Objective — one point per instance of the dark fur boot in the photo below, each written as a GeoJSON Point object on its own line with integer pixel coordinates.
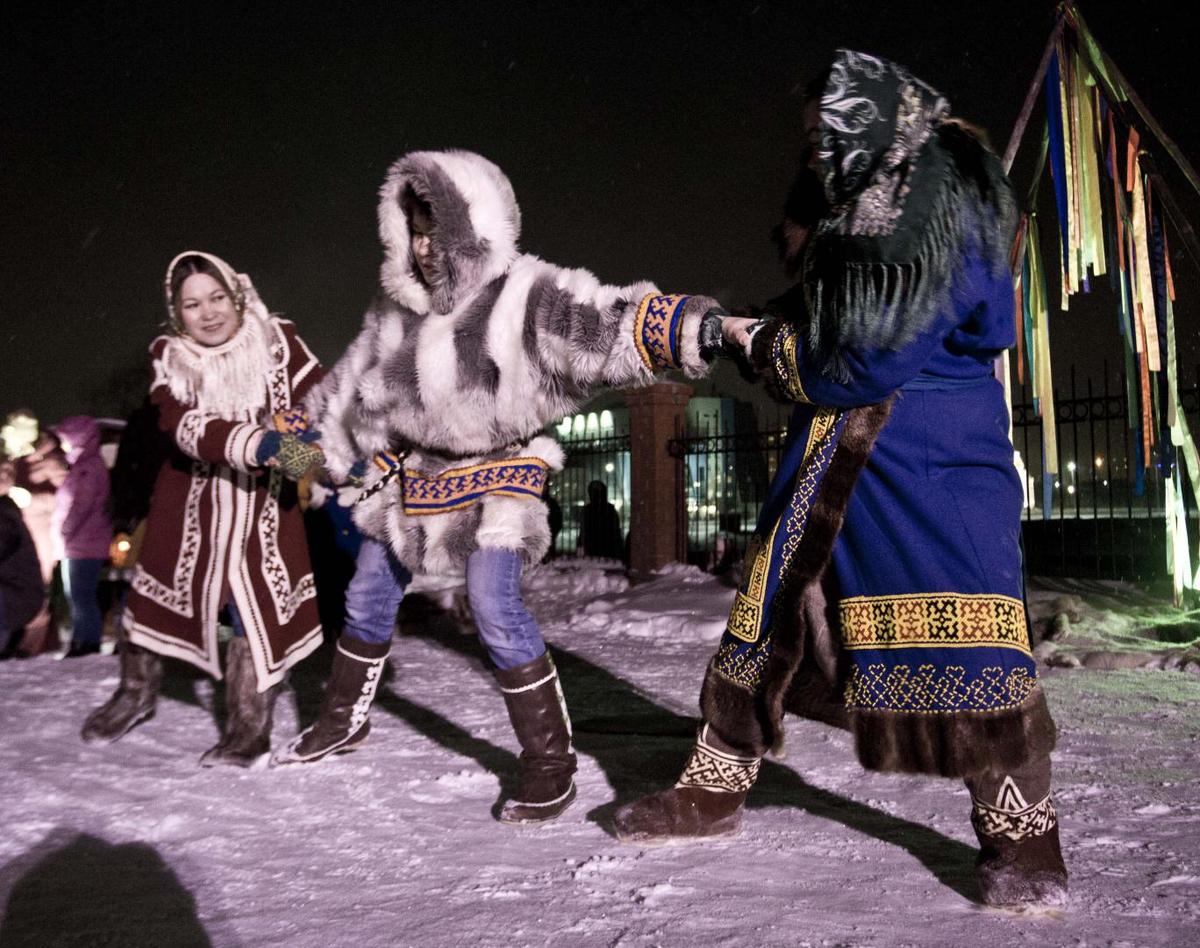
{"type": "Point", "coordinates": [248, 729]}
{"type": "Point", "coordinates": [707, 800]}
{"type": "Point", "coordinates": [538, 713]}
{"type": "Point", "coordinates": [1020, 861]}
{"type": "Point", "coordinates": [343, 724]}
{"type": "Point", "coordinates": [134, 700]}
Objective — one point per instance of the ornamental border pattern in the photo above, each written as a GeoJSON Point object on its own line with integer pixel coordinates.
{"type": "Point", "coordinates": [656, 330]}
{"type": "Point", "coordinates": [745, 618]}
{"type": "Point", "coordinates": [930, 689]}
{"type": "Point", "coordinates": [179, 597]}
{"type": "Point", "coordinates": [286, 598]}
{"type": "Point", "coordinates": [461, 487]}
{"type": "Point", "coordinates": [936, 619]}
{"type": "Point", "coordinates": [783, 360]}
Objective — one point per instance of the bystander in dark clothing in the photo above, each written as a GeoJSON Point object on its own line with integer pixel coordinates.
{"type": "Point", "coordinates": [39, 475]}
{"type": "Point", "coordinates": [21, 588]}
{"type": "Point", "coordinates": [142, 450]}
{"type": "Point", "coordinates": [600, 525]}
{"type": "Point", "coordinates": [554, 516]}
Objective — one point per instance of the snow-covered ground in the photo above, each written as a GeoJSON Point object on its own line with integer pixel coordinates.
{"type": "Point", "coordinates": [396, 845]}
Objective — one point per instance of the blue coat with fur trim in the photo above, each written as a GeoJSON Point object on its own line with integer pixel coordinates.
{"type": "Point", "coordinates": [893, 529]}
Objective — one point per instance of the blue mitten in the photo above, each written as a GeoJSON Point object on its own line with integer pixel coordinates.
{"type": "Point", "coordinates": [268, 447]}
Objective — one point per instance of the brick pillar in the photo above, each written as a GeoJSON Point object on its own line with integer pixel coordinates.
{"type": "Point", "coordinates": [656, 523]}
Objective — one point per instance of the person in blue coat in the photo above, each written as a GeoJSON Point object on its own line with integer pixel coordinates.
{"type": "Point", "coordinates": [886, 566]}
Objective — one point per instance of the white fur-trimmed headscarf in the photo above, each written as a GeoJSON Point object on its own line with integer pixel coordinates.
{"type": "Point", "coordinates": [228, 380]}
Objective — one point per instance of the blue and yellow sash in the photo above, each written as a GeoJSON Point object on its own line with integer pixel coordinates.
{"type": "Point", "coordinates": [450, 490]}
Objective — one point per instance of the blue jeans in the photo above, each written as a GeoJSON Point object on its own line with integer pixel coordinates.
{"type": "Point", "coordinates": [507, 631]}
{"type": "Point", "coordinates": [81, 584]}
{"type": "Point", "coordinates": [235, 620]}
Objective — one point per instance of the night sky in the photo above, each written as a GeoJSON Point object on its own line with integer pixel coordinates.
{"type": "Point", "coordinates": [643, 140]}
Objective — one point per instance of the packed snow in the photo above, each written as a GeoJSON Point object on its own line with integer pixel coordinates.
{"type": "Point", "coordinates": [397, 844]}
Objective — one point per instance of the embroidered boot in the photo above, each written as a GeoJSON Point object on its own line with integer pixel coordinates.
{"type": "Point", "coordinates": [1020, 861]}
{"type": "Point", "coordinates": [134, 700]}
{"type": "Point", "coordinates": [539, 717]}
{"type": "Point", "coordinates": [707, 800]}
{"type": "Point", "coordinates": [248, 730]}
{"type": "Point", "coordinates": [343, 724]}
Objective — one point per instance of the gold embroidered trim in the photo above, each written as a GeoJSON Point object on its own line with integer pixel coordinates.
{"type": "Point", "coordinates": [745, 667]}
{"type": "Point", "coordinates": [657, 326]}
{"type": "Point", "coordinates": [745, 619]}
{"type": "Point", "coordinates": [932, 690]}
{"type": "Point", "coordinates": [932, 620]}
{"type": "Point", "coordinates": [783, 360]}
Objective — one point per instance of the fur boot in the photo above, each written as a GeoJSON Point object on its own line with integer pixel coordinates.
{"type": "Point", "coordinates": [248, 730]}
{"type": "Point", "coordinates": [538, 713]}
{"type": "Point", "coordinates": [134, 700]}
{"type": "Point", "coordinates": [1020, 861]}
{"type": "Point", "coordinates": [707, 800]}
{"type": "Point", "coordinates": [343, 724]}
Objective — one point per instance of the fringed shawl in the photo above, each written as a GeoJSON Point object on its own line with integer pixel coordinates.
{"type": "Point", "coordinates": [907, 194]}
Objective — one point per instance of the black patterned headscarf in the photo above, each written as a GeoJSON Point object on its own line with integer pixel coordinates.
{"type": "Point", "coordinates": [900, 212]}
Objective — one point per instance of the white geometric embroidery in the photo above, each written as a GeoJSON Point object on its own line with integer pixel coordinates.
{"type": "Point", "coordinates": [1009, 799]}
{"type": "Point", "coordinates": [179, 597]}
{"type": "Point", "coordinates": [287, 600]}
{"type": "Point", "coordinates": [714, 769]}
{"type": "Point", "coordinates": [1011, 817]}
{"type": "Point", "coordinates": [279, 392]}
{"type": "Point", "coordinates": [362, 705]}
{"type": "Point", "coordinates": [189, 431]}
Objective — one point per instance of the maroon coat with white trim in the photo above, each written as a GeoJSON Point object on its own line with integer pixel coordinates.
{"type": "Point", "coordinates": [220, 529]}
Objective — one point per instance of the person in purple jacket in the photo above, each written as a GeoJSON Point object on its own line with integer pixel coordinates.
{"type": "Point", "coordinates": [81, 528]}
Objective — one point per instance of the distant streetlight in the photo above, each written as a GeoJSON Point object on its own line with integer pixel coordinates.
{"type": "Point", "coordinates": [1099, 462]}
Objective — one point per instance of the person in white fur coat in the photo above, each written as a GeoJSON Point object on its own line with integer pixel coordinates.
{"type": "Point", "coordinates": [470, 349]}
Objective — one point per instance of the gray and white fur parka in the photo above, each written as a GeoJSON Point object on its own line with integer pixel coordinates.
{"type": "Point", "coordinates": [473, 367]}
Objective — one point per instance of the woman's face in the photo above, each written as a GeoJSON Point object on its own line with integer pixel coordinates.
{"type": "Point", "coordinates": [206, 310]}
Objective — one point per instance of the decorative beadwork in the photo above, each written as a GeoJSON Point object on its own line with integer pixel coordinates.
{"type": "Point", "coordinates": [656, 330]}
{"type": "Point", "coordinates": [783, 361]}
{"type": "Point", "coordinates": [455, 489]}
{"type": "Point", "coordinates": [933, 619]}
{"type": "Point", "coordinates": [293, 421]}
{"type": "Point", "coordinates": [1016, 825]}
{"type": "Point", "coordinates": [935, 689]}
{"type": "Point", "coordinates": [713, 769]}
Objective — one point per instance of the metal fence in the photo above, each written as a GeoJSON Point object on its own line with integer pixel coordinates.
{"type": "Point", "coordinates": [1103, 520]}
{"type": "Point", "coordinates": [1102, 515]}
{"type": "Point", "coordinates": [589, 459]}
{"type": "Point", "coordinates": [724, 482]}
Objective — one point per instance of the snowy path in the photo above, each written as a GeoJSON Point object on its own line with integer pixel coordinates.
{"type": "Point", "coordinates": [396, 845]}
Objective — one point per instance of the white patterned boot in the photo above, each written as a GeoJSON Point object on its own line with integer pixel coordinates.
{"type": "Point", "coordinates": [344, 724]}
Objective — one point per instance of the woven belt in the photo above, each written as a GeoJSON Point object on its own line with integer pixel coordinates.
{"type": "Point", "coordinates": [450, 490]}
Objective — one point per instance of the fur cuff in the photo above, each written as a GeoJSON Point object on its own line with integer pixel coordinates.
{"type": "Point", "coordinates": [693, 364]}
{"type": "Point", "coordinates": [954, 744]}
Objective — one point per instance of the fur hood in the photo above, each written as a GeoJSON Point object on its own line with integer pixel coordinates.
{"type": "Point", "coordinates": [476, 223]}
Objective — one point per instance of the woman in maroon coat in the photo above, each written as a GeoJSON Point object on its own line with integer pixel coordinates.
{"type": "Point", "coordinates": [224, 533]}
